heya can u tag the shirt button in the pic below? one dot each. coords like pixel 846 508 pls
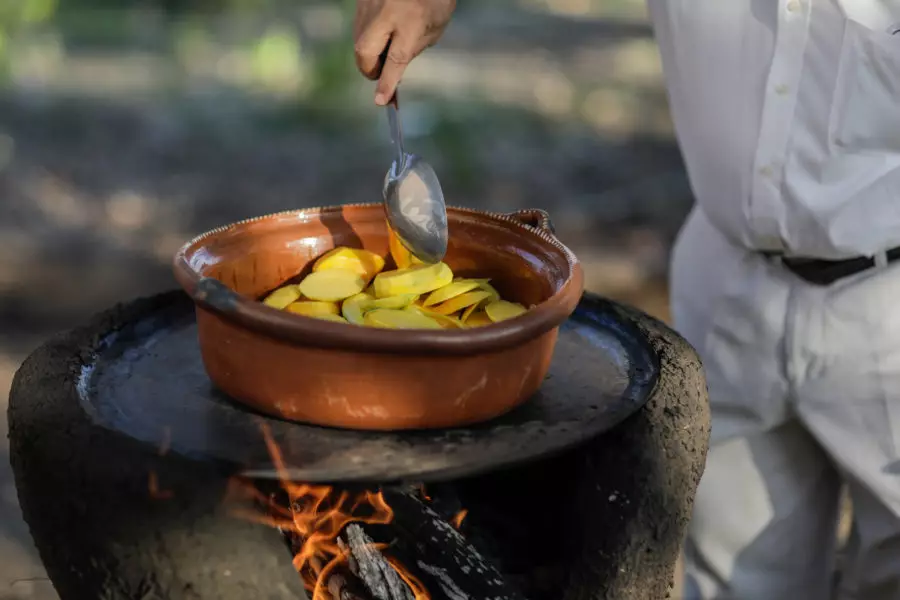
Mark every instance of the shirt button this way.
pixel 782 89
pixel 766 171
pixel 794 6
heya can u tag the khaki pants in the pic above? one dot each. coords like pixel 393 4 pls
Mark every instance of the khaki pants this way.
pixel 804 383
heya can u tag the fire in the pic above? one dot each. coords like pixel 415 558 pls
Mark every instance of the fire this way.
pixel 424 493
pixel 457 520
pixel 152 478
pixel 317 514
pixel 153 486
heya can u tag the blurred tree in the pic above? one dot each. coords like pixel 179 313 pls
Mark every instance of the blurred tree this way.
pixel 334 65
pixel 18 15
pixel 170 6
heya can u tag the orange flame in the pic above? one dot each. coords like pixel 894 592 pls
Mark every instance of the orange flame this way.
pixel 153 486
pixel 317 514
pixel 457 520
pixel 152 478
pixel 424 493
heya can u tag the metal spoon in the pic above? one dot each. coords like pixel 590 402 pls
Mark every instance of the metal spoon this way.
pixel 413 199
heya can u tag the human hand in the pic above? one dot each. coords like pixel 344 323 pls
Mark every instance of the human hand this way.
pixel 388 34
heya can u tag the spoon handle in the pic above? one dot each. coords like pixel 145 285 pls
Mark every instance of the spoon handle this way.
pixel 396 131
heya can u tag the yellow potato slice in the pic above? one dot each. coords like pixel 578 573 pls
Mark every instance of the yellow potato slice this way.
pixel 443 320
pixel 397 302
pixel 486 286
pixel 354 308
pixel 460 302
pixel 483 284
pixel 414 296
pixel 335 318
pixel 283 296
pixel 332 285
pixel 399 319
pixel 364 263
pixel 472 308
pixel 313 308
pixel 420 279
pixel 478 319
pixel 402 257
pixel 501 310
pixel 449 291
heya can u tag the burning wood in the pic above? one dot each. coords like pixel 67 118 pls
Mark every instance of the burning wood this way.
pixel 383 576
pixel 355 546
pixel 315 516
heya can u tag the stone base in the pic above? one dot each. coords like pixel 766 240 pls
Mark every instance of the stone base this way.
pixel 84 490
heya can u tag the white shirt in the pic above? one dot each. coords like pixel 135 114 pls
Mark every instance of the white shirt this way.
pixel 788 117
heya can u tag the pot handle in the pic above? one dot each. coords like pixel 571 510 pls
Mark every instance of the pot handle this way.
pixel 534 218
pixel 215 294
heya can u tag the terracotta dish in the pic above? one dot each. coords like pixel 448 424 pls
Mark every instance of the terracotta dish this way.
pixel 343 375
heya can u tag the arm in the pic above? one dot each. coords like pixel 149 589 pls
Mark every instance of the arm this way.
pixel 388 34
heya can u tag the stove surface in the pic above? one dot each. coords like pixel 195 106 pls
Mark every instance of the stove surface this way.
pixel 147 380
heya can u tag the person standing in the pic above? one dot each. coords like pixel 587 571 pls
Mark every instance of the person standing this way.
pixel 784 279
pixel 785 276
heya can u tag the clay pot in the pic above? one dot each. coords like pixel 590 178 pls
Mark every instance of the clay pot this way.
pixel 343 375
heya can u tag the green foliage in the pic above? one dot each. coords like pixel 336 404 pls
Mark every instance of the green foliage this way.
pixel 276 55
pixel 171 7
pixel 334 68
pixel 26 12
pixel 17 15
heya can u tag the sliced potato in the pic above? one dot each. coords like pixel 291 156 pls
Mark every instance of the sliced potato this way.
pixel 449 291
pixel 397 302
pixel 364 263
pixel 501 310
pixel 472 308
pixel 335 318
pixel 283 296
pixel 399 319
pixel 460 302
pixel 355 306
pixel 331 285
pixel 402 257
pixel 485 285
pixel 478 319
pixel 350 286
pixel 313 308
pixel 444 321
pixel 420 279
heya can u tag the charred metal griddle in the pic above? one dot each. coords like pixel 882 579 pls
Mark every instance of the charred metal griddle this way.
pixel 147 381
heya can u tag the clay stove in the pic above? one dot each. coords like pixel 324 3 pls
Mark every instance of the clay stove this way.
pixel 123 453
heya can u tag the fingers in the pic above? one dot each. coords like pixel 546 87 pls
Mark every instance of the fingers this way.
pixel 370 46
pixel 406 44
pixel 390 33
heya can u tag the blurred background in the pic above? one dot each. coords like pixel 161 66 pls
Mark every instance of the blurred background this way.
pixel 129 126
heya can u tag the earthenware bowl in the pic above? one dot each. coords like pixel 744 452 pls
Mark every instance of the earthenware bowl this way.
pixel 343 375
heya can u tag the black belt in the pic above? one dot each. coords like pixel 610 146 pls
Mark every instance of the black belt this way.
pixel 826 272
